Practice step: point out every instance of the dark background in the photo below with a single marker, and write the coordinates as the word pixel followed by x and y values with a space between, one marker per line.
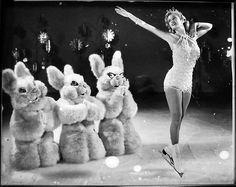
pixel 146 57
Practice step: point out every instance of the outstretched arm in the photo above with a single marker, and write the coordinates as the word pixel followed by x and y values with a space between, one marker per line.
pixel 201 28
pixel 163 35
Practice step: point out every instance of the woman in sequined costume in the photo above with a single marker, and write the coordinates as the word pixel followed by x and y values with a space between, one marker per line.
pixel 178 80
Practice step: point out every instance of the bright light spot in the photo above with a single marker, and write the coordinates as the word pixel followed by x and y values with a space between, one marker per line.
pixel 43 67
pixel 229 39
pixel 140 178
pixel 25 60
pixel 137 168
pixel 229 53
pixel 229 47
pixel 222 48
pixel 224 155
pixel 112 162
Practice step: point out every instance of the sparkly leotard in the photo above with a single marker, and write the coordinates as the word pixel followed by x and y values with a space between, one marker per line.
pixel 185 53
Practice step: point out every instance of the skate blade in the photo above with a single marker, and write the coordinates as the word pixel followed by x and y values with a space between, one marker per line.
pixel 167 156
pixel 179 173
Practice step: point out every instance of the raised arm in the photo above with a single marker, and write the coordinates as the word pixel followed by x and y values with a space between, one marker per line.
pixel 201 28
pixel 163 35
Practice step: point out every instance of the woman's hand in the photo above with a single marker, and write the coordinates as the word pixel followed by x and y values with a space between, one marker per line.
pixel 122 12
pixel 125 13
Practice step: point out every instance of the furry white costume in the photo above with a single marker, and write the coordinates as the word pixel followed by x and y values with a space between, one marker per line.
pixel 79 142
pixel 116 130
pixel 33 119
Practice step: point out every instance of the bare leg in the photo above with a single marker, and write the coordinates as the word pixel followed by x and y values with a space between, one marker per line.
pixel 185 102
pixel 178 102
pixel 174 99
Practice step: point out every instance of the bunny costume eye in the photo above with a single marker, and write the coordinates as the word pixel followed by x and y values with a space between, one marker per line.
pixel 22 90
pixel 74 83
pixel 111 75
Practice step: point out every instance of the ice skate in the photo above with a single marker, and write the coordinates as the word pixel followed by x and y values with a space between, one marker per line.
pixel 171 154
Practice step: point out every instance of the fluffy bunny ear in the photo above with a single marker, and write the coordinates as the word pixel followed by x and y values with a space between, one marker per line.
pixel 21 70
pixel 43 89
pixel 97 65
pixel 8 81
pixel 117 60
pixel 68 70
pixel 55 77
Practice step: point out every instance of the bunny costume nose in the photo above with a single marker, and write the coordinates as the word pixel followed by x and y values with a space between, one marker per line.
pixel 119 78
pixel 82 89
pixel 117 81
pixel 34 90
pixel 32 97
pixel 34 93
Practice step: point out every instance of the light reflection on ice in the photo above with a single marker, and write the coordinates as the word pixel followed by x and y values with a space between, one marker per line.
pixel 137 168
pixel 112 162
pixel 224 155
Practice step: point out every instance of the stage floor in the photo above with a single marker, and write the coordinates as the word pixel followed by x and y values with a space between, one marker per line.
pixel 206 145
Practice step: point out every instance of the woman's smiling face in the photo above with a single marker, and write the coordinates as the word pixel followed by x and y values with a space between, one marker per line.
pixel 174 21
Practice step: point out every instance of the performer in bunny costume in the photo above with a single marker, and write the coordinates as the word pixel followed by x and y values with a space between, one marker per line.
pixel 116 130
pixel 79 142
pixel 33 119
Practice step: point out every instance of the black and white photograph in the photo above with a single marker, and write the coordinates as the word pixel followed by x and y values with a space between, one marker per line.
pixel 124 93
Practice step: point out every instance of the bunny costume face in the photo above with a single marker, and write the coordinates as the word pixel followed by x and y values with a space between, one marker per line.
pixel 22 87
pixel 110 77
pixel 71 86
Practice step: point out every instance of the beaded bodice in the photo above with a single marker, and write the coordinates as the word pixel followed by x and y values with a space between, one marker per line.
pixel 185 53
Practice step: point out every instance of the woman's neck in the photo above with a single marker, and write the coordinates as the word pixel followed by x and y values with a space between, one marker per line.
pixel 180 31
